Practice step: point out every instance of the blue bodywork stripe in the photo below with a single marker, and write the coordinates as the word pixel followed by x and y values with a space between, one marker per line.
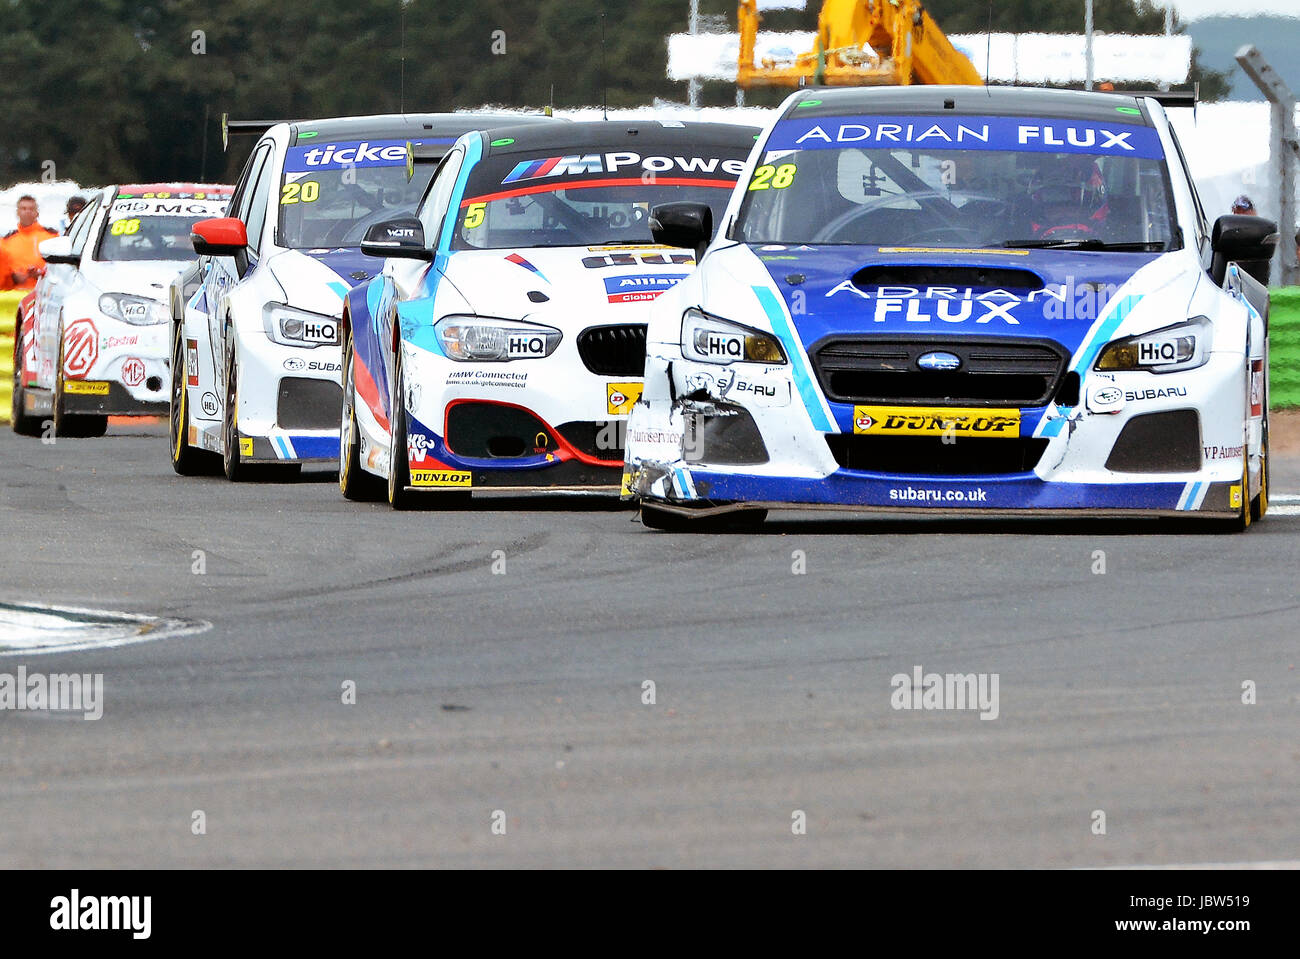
pixel 802 378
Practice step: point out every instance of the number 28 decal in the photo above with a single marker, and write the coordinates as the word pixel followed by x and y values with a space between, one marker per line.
pixel 776 177
pixel 307 192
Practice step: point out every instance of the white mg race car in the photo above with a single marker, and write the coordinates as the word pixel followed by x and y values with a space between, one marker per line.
pixel 953 299
pixel 255 375
pixel 94 334
pixel 503 343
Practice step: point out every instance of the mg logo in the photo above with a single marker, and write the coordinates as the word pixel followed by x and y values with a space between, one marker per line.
pixel 80 348
pixel 133 371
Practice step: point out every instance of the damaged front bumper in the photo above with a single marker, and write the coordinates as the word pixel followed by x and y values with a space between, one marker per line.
pixel 697 445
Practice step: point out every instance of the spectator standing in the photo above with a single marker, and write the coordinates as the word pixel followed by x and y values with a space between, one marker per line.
pixel 19 255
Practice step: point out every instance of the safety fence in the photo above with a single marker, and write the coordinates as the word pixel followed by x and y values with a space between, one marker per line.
pixel 9 301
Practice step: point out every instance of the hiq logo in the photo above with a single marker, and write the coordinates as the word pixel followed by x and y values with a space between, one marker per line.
pixel 525 344
pixel 719 345
pixel 633 289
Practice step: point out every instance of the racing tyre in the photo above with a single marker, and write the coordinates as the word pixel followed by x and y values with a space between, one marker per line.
pixel 186 460
pixel 232 463
pixel 672 522
pixel 354 481
pixel 23 424
pixel 83 425
pixel 399 466
pixel 1259 504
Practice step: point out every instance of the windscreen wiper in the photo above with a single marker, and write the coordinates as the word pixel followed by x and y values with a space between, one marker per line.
pixel 1089 243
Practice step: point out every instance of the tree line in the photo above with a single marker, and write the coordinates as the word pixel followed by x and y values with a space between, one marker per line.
pixel 105 90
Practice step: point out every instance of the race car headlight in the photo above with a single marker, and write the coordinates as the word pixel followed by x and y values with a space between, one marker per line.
pixel 486 339
pixel 1183 346
pixel 711 339
pixel 292 327
pixel 136 310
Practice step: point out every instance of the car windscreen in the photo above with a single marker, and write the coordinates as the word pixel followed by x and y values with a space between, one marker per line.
pixel 602 195
pixel 332 192
pixel 154 227
pixel 958 182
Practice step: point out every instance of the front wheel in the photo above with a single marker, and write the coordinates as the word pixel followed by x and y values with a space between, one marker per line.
pixel 23 424
pixel 399 467
pixel 186 460
pixel 1259 504
pixel 231 462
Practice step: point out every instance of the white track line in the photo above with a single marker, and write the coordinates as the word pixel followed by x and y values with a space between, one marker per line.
pixel 1260 864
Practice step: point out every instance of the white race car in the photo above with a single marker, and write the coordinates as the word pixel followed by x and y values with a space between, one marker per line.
pixel 255 375
pixel 963 300
pixel 503 342
pixel 94 336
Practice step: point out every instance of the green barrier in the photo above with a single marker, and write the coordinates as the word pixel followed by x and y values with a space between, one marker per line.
pixel 9 301
pixel 1284 347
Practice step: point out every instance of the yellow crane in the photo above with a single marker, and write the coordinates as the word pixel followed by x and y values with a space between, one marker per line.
pixel 859 43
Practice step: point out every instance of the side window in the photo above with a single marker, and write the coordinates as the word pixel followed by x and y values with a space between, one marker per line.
pixel 1202 226
pixel 81 227
pixel 243 197
pixel 440 189
pixel 259 195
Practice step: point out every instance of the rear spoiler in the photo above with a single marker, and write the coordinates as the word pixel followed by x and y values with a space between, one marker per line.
pixel 423 153
pixel 1167 98
pixel 243 128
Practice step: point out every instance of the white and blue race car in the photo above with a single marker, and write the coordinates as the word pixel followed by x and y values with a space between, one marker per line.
pixel 254 344
pixel 953 299
pixel 502 343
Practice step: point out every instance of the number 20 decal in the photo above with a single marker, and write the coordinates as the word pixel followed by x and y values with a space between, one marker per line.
pixel 776 177
pixel 307 192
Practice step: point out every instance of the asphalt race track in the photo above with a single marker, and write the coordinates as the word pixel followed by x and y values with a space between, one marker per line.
pixel 520 693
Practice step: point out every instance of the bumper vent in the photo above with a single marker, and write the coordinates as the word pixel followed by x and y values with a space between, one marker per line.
pixel 308 404
pixel 1158 443
pixel 930 456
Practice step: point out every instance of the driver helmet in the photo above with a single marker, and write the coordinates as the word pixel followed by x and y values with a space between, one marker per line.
pixel 1067 194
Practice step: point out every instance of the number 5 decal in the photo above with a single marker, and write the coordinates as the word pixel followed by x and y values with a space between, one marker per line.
pixel 474 215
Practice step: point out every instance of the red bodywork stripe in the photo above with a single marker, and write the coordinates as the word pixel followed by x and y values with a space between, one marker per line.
pixel 565 451
pixel 584 184
pixel 368 391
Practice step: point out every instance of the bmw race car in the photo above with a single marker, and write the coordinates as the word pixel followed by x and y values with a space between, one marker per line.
pixel 955 299
pixel 92 337
pixel 255 375
pixel 503 342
